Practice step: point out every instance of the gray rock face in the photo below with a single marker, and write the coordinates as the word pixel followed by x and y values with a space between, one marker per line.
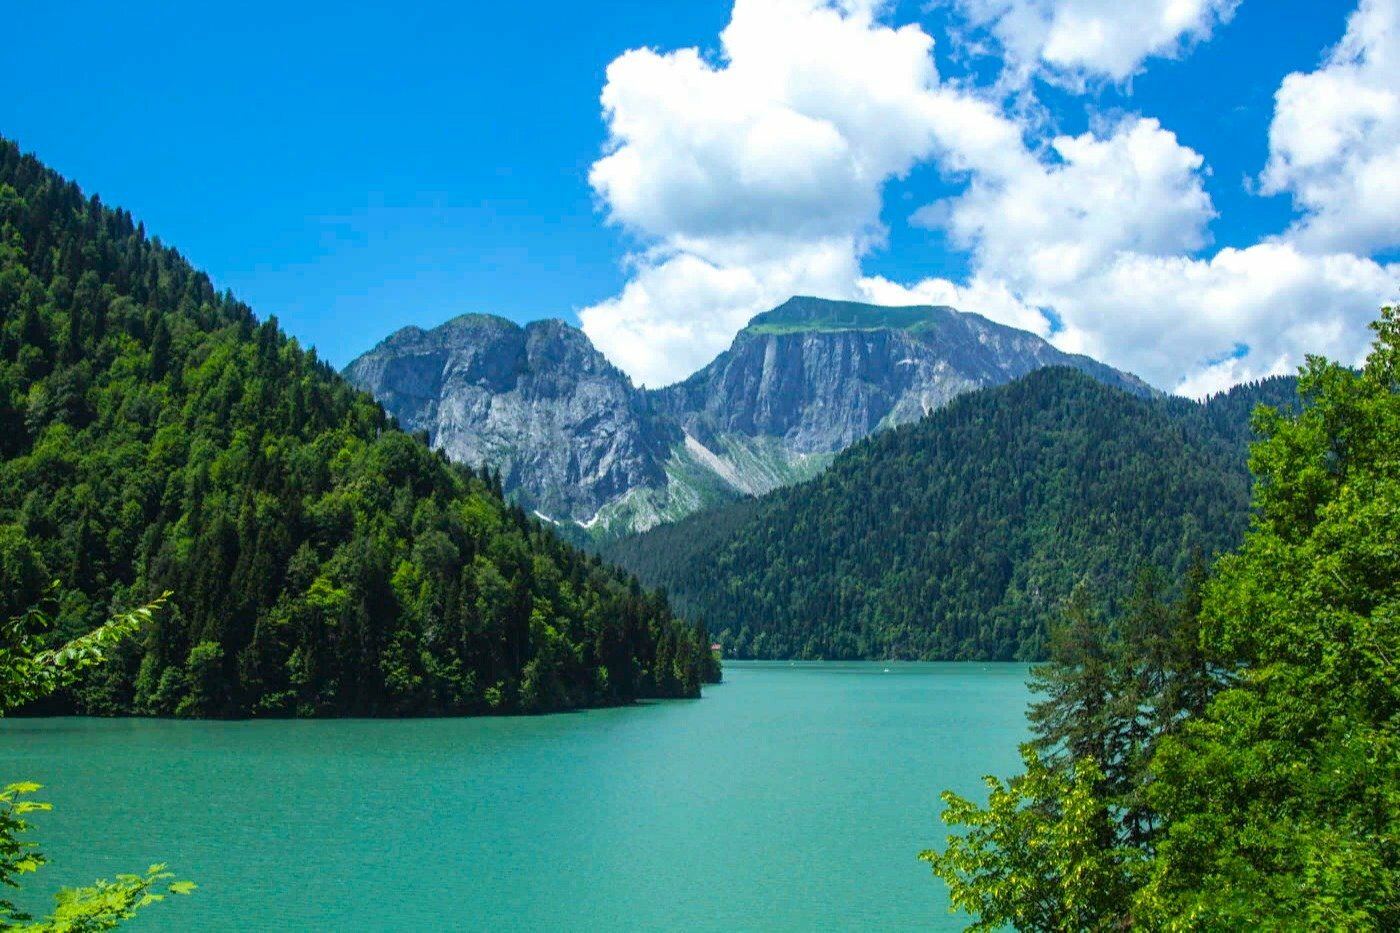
pixel 823 374
pixel 573 437
pixel 539 403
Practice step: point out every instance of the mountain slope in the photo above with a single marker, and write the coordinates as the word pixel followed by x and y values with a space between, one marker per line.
pixel 155 436
pixel 538 404
pixel 821 374
pixel 799 384
pixel 958 536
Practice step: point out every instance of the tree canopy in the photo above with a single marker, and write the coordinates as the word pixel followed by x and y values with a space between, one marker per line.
pixel 957 537
pixel 156 436
pixel 1269 796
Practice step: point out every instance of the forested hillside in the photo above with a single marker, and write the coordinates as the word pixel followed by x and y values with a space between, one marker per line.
pixel 959 536
pixel 1229 760
pixel 155 436
pixel 577 441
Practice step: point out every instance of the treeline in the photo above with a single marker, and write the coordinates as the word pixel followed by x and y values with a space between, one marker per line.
pixel 1229 759
pixel 959 536
pixel 155 436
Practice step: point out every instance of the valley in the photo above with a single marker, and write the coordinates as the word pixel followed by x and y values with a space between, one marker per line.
pixel 839 466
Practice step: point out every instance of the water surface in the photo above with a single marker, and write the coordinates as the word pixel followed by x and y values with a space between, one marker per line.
pixel 792 797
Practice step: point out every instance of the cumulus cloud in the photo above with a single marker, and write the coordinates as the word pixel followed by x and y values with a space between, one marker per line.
pixel 1335 138
pixel 1075 41
pixel 675 314
pixel 1040 222
pixel 1104 230
pixel 993 300
pixel 1192 326
pixel 1200 325
pixel 757 173
pixel 754 176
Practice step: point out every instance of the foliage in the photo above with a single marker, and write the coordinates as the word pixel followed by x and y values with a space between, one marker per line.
pixel 1063 846
pixel 1040 856
pixel 1267 792
pixel 1114 689
pixel 155 436
pixel 28 672
pixel 99 906
pixel 959 536
pixel 1306 830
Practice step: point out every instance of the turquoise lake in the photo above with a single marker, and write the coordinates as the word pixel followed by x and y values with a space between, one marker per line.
pixel 792 797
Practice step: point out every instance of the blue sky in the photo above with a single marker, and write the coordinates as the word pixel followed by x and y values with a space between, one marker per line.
pixel 353 168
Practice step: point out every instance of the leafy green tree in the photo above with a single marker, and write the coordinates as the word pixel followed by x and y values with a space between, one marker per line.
pixel 29 672
pixel 1282 803
pixel 1261 784
pixel 1064 845
pixel 204 681
pixel 1040 855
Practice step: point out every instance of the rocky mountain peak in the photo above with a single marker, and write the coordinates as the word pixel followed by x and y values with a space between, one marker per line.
pixel 578 442
pixel 566 428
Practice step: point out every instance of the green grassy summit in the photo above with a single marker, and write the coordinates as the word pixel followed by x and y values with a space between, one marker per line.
pixel 800 314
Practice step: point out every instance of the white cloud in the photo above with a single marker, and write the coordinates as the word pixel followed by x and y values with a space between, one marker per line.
pixel 1039 223
pixel 1335 139
pixel 1175 320
pixel 677 312
pixel 1078 40
pixel 993 300
pixel 1104 231
pixel 1193 326
pixel 758 175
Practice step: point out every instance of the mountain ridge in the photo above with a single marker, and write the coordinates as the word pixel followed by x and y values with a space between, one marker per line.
pixel 957 537
pixel 811 313
pixel 586 448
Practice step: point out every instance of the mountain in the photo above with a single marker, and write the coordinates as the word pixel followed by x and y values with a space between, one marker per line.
pixel 155 436
pixel 577 442
pixel 958 536
pixel 538 404
pixel 821 375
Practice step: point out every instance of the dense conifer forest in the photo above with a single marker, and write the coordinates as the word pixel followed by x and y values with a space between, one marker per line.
pixel 156 436
pixel 960 536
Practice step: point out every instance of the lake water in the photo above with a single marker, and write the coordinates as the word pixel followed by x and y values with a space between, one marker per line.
pixel 792 797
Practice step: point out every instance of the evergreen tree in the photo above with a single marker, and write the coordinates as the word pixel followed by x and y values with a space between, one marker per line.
pixel 1260 783
pixel 155 435
pixel 959 536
